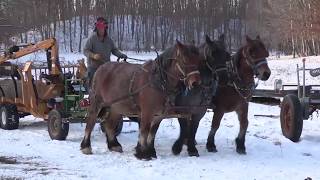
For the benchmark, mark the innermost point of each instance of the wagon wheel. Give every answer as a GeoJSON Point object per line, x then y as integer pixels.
{"type": "Point", "coordinates": [9, 117]}
{"type": "Point", "coordinates": [291, 117]}
{"type": "Point", "coordinates": [57, 129]}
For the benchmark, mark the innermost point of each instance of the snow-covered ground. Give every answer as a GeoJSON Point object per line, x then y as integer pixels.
{"type": "Point", "coordinates": [29, 153]}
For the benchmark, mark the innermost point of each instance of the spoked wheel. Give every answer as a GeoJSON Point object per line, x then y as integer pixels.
{"type": "Point", "coordinates": [9, 117]}
{"type": "Point", "coordinates": [58, 130]}
{"type": "Point", "coordinates": [291, 117]}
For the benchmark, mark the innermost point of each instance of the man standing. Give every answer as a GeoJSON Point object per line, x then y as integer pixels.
{"type": "Point", "coordinates": [99, 47]}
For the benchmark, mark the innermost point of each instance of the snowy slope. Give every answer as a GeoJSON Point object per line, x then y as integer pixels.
{"type": "Point", "coordinates": [29, 153]}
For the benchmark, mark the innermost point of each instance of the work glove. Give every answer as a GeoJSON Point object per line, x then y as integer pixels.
{"type": "Point", "coordinates": [97, 57]}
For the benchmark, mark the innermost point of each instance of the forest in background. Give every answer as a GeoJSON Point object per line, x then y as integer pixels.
{"type": "Point", "coordinates": [287, 26]}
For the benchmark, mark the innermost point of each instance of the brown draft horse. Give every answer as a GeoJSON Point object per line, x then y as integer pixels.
{"type": "Point", "coordinates": [123, 89]}
{"type": "Point", "coordinates": [249, 61]}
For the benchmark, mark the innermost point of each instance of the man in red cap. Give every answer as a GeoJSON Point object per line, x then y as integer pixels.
{"type": "Point", "coordinates": [99, 47]}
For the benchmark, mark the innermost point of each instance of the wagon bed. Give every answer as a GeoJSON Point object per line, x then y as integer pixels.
{"type": "Point", "coordinates": [297, 102]}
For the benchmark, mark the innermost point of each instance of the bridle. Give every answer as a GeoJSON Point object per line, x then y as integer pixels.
{"type": "Point", "coordinates": [243, 89]}
{"type": "Point", "coordinates": [178, 66]}
{"type": "Point", "coordinates": [161, 74]}
{"type": "Point", "coordinates": [185, 75]}
{"type": "Point", "coordinates": [252, 62]}
{"type": "Point", "coordinates": [217, 69]}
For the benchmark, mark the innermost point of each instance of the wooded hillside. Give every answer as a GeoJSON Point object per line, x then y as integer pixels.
{"type": "Point", "coordinates": [291, 26]}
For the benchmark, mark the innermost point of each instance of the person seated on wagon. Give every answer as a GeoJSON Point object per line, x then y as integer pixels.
{"type": "Point", "coordinates": [98, 48]}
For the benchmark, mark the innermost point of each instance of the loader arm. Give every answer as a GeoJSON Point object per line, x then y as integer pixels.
{"type": "Point", "coordinates": [49, 45]}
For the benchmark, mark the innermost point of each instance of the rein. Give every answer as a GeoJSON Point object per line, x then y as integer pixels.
{"type": "Point", "coordinates": [186, 76]}
{"type": "Point", "coordinates": [135, 59]}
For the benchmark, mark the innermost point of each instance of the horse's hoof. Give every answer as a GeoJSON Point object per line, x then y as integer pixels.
{"type": "Point", "coordinates": [241, 151]}
{"type": "Point", "coordinates": [193, 153]}
{"type": "Point", "coordinates": [116, 149]}
{"type": "Point", "coordinates": [143, 156]}
{"type": "Point", "coordinates": [176, 148]}
{"type": "Point", "coordinates": [240, 147]}
{"type": "Point", "coordinates": [212, 148]}
{"type": "Point", "coordinates": [153, 153]}
{"type": "Point", "coordinates": [86, 150]}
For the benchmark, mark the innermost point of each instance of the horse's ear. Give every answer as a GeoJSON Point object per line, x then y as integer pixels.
{"type": "Point", "coordinates": [179, 44]}
{"type": "Point", "coordinates": [258, 37]}
{"type": "Point", "coordinates": [249, 40]}
{"type": "Point", "coordinates": [208, 40]}
{"type": "Point", "coordinates": [221, 38]}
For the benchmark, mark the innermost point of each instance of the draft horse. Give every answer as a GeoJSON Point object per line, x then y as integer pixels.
{"type": "Point", "coordinates": [148, 91]}
{"type": "Point", "coordinates": [249, 62]}
{"type": "Point", "coordinates": [215, 56]}
{"type": "Point", "coordinates": [235, 87]}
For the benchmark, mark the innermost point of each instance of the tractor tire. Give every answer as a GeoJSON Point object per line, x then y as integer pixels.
{"type": "Point", "coordinates": [58, 130]}
{"type": "Point", "coordinates": [9, 117]}
{"type": "Point", "coordinates": [291, 117]}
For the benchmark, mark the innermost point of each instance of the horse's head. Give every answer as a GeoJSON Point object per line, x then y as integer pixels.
{"type": "Point", "coordinates": [216, 56]}
{"type": "Point", "coordinates": [255, 54]}
{"type": "Point", "coordinates": [215, 52]}
{"type": "Point", "coordinates": [187, 63]}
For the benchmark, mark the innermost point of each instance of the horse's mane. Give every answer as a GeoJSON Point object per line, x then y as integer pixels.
{"type": "Point", "coordinates": [164, 61]}
{"type": "Point", "coordinates": [207, 48]}
{"type": "Point", "coordinates": [236, 57]}
{"type": "Point", "coordinates": [166, 57]}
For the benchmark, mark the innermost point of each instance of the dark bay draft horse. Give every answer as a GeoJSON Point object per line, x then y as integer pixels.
{"type": "Point", "coordinates": [215, 57]}
{"type": "Point", "coordinates": [123, 89]}
{"type": "Point", "coordinates": [248, 62]}
{"type": "Point", "coordinates": [235, 87]}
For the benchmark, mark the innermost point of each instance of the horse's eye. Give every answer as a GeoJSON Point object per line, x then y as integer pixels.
{"type": "Point", "coordinates": [252, 51]}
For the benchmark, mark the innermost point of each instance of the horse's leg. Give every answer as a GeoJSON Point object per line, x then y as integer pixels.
{"type": "Point", "coordinates": [142, 149]}
{"type": "Point", "coordinates": [151, 138]}
{"type": "Point", "coordinates": [110, 124]}
{"type": "Point", "coordinates": [177, 146]}
{"type": "Point", "coordinates": [242, 113]}
{"type": "Point", "coordinates": [91, 121]}
{"type": "Point", "coordinates": [193, 127]}
{"type": "Point", "coordinates": [218, 114]}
